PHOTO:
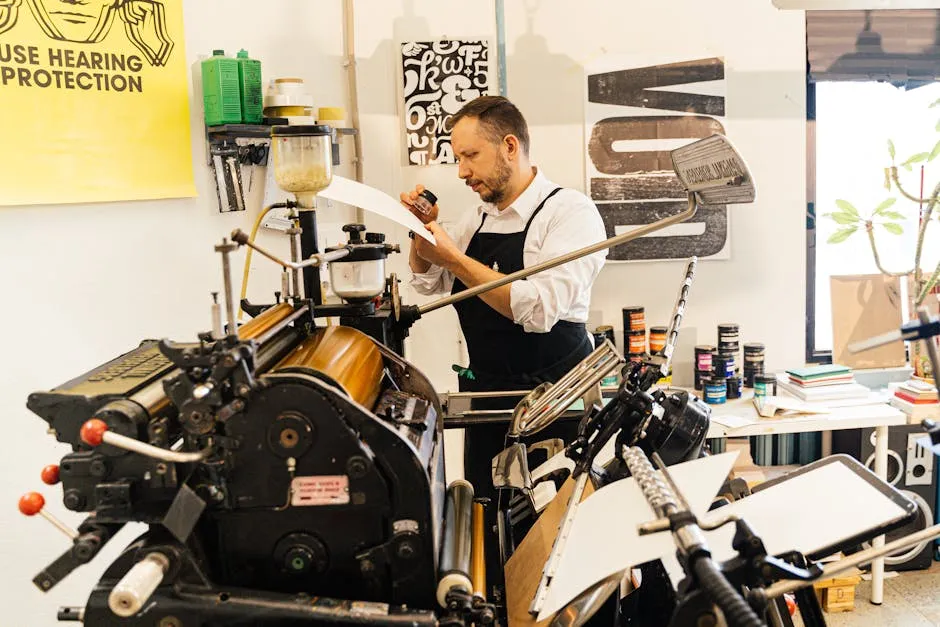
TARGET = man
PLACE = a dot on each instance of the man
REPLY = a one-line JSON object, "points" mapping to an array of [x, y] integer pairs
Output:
{"points": [[526, 332]]}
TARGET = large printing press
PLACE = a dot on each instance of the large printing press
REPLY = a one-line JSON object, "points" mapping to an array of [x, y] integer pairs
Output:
{"points": [[291, 471]]}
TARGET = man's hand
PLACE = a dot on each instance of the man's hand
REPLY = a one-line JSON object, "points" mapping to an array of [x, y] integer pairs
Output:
{"points": [[408, 199], [445, 254]]}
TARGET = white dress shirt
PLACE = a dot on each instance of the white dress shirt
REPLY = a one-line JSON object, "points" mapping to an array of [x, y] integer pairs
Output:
{"points": [[567, 222]]}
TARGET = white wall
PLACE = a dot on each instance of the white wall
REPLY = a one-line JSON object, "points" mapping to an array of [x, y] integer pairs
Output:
{"points": [[83, 283], [70, 305]]}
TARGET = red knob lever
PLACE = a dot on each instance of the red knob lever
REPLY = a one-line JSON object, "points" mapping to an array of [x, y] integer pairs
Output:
{"points": [[92, 432], [33, 503], [50, 474]]}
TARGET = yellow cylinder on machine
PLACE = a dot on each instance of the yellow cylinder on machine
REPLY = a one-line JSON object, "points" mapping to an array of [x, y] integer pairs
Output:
{"points": [[345, 355], [257, 326], [477, 553]]}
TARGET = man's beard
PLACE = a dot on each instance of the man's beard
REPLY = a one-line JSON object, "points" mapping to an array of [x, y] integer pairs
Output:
{"points": [[498, 184]]}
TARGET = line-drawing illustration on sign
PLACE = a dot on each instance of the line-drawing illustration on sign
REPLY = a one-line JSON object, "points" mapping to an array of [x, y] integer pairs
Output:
{"points": [[90, 21], [438, 78], [9, 10], [635, 114]]}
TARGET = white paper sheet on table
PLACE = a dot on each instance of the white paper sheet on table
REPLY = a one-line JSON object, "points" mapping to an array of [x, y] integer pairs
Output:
{"points": [[370, 199], [604, 540]]}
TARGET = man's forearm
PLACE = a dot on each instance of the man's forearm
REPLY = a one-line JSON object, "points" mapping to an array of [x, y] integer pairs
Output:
{"points": [[472, 273], [417, 264]]}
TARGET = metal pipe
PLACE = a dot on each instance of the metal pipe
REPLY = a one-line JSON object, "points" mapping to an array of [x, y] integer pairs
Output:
{"points": [[881, 471], [315, 259], [225, 249], [853, 561], [294, 233], [623, 238], [270, 333], [499, 394], [148, 450]]}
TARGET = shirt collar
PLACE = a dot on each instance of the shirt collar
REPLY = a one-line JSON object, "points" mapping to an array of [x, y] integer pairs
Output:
{"points": [[528, 200]]}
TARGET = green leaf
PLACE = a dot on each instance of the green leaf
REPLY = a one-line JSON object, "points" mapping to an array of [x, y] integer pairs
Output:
{"points": [[935, 103], [892, 215], [920, 156], [893, 227], [938, 125], [934, 152], [842, 217], [887, 202], [841, 235], [891, 145], [847, 207]]}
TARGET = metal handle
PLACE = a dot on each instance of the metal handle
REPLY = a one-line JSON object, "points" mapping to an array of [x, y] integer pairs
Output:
{"points": [[623, 238], [534, 414], [317, 259], [672, 337], [862, 557]]}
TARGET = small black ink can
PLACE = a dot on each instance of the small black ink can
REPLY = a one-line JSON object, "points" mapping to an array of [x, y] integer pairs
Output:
{"points": [[425, 202]]}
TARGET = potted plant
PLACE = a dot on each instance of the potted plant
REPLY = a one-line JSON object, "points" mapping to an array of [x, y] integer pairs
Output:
{"points": [[923, 285]]}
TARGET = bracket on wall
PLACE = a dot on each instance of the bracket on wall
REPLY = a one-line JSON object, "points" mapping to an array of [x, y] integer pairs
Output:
{"points": [[231, 146]]}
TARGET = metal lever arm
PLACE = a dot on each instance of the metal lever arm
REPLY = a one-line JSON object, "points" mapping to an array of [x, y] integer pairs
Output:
{"points": [[623, 238], [240, 237]]}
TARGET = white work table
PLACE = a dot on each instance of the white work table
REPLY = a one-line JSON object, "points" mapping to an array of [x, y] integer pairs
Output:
{"points": [[739, 418]]}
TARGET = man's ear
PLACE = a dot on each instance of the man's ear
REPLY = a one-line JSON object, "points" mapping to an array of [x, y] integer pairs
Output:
{"points": [[511, 143]]}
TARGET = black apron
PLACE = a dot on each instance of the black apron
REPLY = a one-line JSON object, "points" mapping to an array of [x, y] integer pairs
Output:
{"points": [[503, 356]]}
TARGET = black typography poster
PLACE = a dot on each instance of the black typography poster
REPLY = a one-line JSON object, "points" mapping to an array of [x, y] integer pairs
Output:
{"points": [[635, 115], [438, 78]]}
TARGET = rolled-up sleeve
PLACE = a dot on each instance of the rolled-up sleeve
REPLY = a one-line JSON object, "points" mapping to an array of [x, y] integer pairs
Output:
{"points": [[543, 299], [435, 281]]}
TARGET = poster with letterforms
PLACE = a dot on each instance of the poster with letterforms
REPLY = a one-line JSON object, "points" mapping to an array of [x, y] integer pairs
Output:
{"points": [[95, 101], [438, 78], [636, 113]]}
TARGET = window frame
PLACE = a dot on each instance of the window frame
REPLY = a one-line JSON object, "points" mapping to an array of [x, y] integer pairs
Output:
{"points": [[812, 356]]}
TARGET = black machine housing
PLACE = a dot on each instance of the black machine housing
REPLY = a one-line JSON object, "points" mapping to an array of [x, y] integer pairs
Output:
{"points": [[361, 527]]}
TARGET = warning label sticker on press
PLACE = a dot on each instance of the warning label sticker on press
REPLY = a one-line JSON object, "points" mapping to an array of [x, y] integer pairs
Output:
{"points": [[320, 490]]}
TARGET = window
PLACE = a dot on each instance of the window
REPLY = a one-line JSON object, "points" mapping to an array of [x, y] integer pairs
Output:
{"points": [[853, 123], [871, 77]]}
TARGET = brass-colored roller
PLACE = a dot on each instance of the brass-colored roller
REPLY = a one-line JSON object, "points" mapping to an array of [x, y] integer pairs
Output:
{"points": [[260, 324], [477, 553], [345, 355]]}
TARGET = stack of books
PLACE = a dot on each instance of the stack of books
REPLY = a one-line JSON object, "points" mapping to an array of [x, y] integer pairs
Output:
{"points": [[823, 383], [917, 399]]}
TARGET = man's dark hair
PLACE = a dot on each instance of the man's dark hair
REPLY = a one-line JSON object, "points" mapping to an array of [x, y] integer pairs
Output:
{"points": [[498, 117]]}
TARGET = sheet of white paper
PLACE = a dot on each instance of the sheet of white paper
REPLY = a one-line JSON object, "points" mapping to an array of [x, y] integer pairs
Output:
{"points": [[732, 422], [607, 542], [834, 504], [604, 540], [370, 199]]}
